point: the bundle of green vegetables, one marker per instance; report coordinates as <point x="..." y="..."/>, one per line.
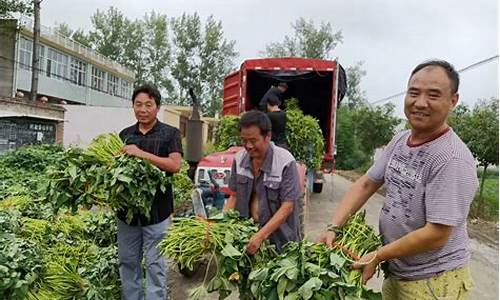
<point x="103" y="175"/>
<point x="306" y="270"/>
<point x="223" y="237"/>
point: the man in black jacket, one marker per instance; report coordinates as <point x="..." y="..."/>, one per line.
<point x="273" y="92"/>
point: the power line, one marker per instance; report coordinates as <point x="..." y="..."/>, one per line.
<point x="469" y="67"/>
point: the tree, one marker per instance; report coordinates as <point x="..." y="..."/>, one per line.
<point x="479" y="130"/>
<point x="354" y="95"/>
<point x="76" y="35"/>
<point x="8" y="7"/>
<point x="349" y="154"/>
<point x="307" y="41"/>
<point x="111" y="34"/>
<point x="158" y="51"/>
<point x="217" y="60"/>
<point x="185" y="68"/>
<point x="374" y="126"/>
<point x="201" y="59"/>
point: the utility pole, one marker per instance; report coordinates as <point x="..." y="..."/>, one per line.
<point x="35" y="63"/>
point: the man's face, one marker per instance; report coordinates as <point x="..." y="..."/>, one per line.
<point x="145" y="109"/>
<point x="255" y="144"/>
<point x="429" y="99"/>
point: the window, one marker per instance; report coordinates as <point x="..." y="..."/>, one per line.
<point x="113" y="85"/>
<point x="98" y="79"/>
<point x="126" y="89"/>
<point x="56" y="64"/>
<point x="25" y="52"/>
<point x="78" y="73"/>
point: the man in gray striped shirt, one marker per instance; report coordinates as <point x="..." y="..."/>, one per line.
<point x="430" y="177"/>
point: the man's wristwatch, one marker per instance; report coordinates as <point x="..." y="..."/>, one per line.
<point x="334" y="228"/>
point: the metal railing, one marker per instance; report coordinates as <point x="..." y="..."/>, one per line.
<point x="52" y="35"/>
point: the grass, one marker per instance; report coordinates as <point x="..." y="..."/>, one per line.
<point x="490" y="197"/>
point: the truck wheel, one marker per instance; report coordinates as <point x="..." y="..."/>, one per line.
<point x="317" y="187"/>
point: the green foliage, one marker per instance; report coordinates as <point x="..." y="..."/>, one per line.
<point x="306" y="41"/>
<point x="182" y="187"/>
<point x="360" y="131"/>
<point x="304" y="138"/>
<point x="349" y="154"/>
<point x="102" y="175"/>
<point x="8" y="7"/>
<point x="479" y="130"/>
<point x="20" y="170"/>
<point x="174" y="54"/>
<point x="201" y="59"/>
<point x="355" y="96"/>
<point x="374" y="126"/>
<point x="225" y="237"/>
<point x="227" y="133"/>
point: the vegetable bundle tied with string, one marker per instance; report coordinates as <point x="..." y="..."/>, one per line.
<point x="103" y="175"/>
<point x="306" y="270"/>
<point x="224" y="238"/>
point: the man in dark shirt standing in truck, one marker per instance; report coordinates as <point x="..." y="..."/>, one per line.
<point x="272" y="93"/>
<point x="278" y="122"/>
<point x="160" y="144"/>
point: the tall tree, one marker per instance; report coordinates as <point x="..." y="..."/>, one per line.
<point x="355" y="96"/>
<point x="374" y="126"/>
<point x="217" y="59"/>
<point x="157" y="48"/>
<point x="479" y="130"/>
<point x="111" y="34"/>
<point x="307" y="41"/>
<point x="76" y="35"/>
<point x="201" y="59"/>
<point x="8" y="7"/>
<point x="185" y="69"/>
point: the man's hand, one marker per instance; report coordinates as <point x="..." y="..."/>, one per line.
<point x="368" y="263"/>
<point x="254" y="244"/>
<point x="133" y="150"/>
<point x="327" y="237"/>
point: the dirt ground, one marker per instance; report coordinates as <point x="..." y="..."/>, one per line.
<point x="484" y="250"/>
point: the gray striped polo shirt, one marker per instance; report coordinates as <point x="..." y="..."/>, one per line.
<point x="433" y="182"/>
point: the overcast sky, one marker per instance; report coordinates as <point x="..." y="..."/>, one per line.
<point x="391" y="37"/>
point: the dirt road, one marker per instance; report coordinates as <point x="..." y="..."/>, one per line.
<point x="484" y="263"/>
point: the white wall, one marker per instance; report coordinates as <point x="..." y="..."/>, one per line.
<point x="83" y="123"/>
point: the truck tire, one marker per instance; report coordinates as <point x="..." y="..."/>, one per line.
<point x="317" y="187"/>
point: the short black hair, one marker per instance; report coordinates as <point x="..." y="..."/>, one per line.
<point x="448" y="68"/>
<point x="150" y="90"/>
<point x="274" y="100"/>
<point x="256" y="118"/>
<point x="283" y="84"/>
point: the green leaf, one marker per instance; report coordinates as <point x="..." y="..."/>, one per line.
<point x="307" y="289"/>
<point x="230" y="251"/>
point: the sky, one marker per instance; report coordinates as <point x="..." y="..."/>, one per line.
<point x="390" y="37"/>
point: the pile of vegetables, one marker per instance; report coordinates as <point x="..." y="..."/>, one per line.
<point x="303" y="270"/>
<point x="64" y="256"/>
<point x="223" y="238"/>
<point x="70" y="253"/>
<point x="20" y="170"/>
<point x="103" y="175"/>
<point x="303" y="134"/>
